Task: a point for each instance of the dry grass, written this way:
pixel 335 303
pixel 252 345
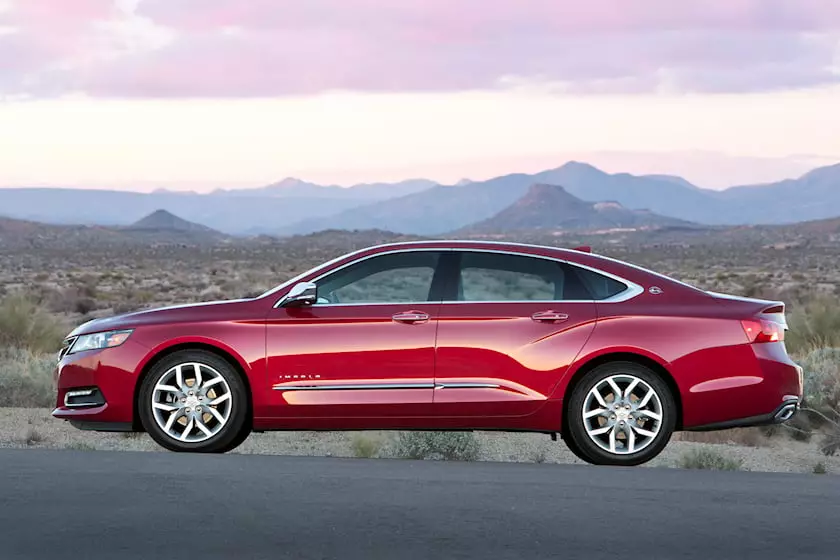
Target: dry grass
pixel 708 459
pixel 26 378
pixel 749 437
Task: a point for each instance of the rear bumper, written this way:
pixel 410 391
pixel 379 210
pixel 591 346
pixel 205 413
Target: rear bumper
pixel 745 385
pixel 783 413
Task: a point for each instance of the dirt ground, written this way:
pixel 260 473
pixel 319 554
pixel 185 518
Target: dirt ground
pixel 35 428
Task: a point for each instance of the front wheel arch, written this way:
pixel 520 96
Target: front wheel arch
pixel 137 425
pixel 650 363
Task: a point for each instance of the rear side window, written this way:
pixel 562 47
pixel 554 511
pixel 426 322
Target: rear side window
pixel 486 276
pixel 599 286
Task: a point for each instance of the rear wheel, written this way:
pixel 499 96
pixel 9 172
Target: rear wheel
pixel 621 413
pixel 194 400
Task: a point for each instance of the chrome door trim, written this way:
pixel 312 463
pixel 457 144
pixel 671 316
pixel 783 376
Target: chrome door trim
pixel 384 386
pixel 445 385
pixel 353 387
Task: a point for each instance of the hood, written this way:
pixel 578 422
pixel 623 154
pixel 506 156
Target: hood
pixel 192 312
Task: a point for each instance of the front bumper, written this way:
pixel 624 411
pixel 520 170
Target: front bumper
pixel 109 374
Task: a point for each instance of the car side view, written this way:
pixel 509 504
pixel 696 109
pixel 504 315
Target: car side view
pixel 441 335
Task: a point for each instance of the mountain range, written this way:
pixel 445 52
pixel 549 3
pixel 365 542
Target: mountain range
pixel 422 207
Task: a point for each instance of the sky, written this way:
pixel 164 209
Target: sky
pixel 201 94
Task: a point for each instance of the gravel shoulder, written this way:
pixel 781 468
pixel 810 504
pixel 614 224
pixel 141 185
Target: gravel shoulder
pixel 36 428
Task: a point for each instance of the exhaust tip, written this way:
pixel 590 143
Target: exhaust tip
pixel 786 412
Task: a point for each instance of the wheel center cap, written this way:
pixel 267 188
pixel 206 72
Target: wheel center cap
pixel 622 414
pixel 192 401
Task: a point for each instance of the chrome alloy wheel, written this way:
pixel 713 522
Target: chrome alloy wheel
pixel 191 402
pixel 622 414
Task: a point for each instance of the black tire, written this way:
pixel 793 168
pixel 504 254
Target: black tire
pixel 584 446
pixel 232 434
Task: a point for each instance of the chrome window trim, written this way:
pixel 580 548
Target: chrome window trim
pixel 632 290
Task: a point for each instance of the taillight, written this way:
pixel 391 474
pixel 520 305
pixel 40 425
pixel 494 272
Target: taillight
pixel 762 330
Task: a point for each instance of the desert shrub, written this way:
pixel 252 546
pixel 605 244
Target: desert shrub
pixel 365 446
pixel 815 324
pixel 24 324
pixel 26 378
pixel 822 378
pixel 449 446
pixel 708 459
pixel 30 436
pixel 819 468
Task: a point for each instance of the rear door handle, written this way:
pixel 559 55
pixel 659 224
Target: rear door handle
pixel 549 316
pixel 411 317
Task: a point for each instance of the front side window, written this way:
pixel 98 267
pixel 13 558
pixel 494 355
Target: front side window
pixel 395 278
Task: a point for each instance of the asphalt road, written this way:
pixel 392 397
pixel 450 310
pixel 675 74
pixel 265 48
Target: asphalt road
pixel 121 505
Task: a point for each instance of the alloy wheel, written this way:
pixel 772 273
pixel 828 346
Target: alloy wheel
pixel 191 402
pixel 622 414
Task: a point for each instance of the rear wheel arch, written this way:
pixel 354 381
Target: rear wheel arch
pixel 602 359
pixel 137 425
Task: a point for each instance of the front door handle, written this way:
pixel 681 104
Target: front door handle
pixel 549 316
pixel 411 317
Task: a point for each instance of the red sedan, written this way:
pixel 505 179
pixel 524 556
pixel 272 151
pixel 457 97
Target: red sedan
pixel 443 335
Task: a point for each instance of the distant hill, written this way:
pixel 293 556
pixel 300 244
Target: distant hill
pixel 161 220
pixel 552 207
pixel 421 207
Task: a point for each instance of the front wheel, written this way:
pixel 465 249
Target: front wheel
pixel 621 413
pixel 193 400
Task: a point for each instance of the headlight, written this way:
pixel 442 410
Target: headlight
pixel 97 341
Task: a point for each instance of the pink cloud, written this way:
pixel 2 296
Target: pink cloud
pixel 297 47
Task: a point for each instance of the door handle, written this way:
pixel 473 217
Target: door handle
pixel 549 316
pixel 411 317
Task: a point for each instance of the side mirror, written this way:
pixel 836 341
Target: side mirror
pixel 303 293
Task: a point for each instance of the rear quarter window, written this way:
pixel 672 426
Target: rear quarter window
pixel 599 286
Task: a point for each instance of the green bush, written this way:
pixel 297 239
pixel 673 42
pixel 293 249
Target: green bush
pixel 708 459
pixel 24 324
pixel 364 446
pixel 819 468
pixel 26 378
pixel 815 324
pixel 449 446
pixel 822 379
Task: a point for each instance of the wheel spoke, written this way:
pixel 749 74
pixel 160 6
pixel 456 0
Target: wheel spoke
pixel 600 431
pixel 185 434
pixel 596 412
pixel 165 407
pixel 615 388
pixel 168 389
pixel 599 397
pixel 197 370
pixel 213 382
pixel 631 440
pixel 630 388
pixel 649 414
pixel 199 421
pixel 171 421
pixel 179 377
pixel 612 440
pixel 216 414
pixel 220 399
pixel 643 432
pixel 646 398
